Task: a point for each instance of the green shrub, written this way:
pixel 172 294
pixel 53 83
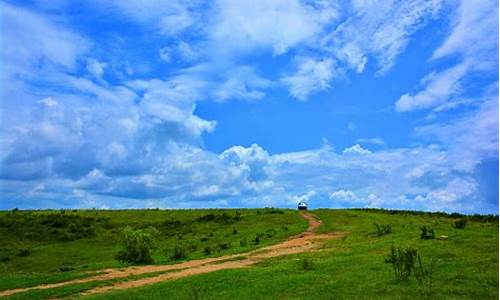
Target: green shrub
pixel 66 268
pixel 138 245
pixel 23 252
pixel 270 233
pixel 207 250
pixel 224 246
pixel 235 231
pixel 402 260
pixel 381 230
pixel 243 242
pixel 460 223
pixel 426 233
pixel 306 264
pixel 179 253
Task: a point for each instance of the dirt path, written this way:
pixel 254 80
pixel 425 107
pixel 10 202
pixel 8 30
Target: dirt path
pixel 306 241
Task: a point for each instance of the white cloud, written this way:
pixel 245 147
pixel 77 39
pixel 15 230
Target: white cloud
pixel 439 89
pixel 186 51
pixel 311 76
pixel 381 29
pixel 168 17
pixel 22 29
pixel 96 68
pixel 343 195
pixel 356 149
pixel 303 197
pixel 474 33
pixel 374 141
pixel 276 24
pixel 164 54
pixel 48 102
pixel 474 37
pixel 471 138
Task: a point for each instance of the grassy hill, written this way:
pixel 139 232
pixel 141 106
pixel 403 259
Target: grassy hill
pixel 462 266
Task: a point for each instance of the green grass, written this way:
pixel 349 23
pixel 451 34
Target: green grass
pixel 464 267
pixel 53 247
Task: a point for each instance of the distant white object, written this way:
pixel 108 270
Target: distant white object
pixel 302 205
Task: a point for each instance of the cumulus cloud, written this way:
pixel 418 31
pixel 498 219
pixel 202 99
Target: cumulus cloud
pixel 344 195
pixel 303 197
pixel 356 149
pixel 138 142
pixel 276 24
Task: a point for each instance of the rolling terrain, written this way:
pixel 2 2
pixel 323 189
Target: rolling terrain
pixel 262 253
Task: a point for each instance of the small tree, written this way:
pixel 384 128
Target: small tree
pixel 138 245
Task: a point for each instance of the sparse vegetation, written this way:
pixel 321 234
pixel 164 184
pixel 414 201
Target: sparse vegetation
pixel 306 264
pixel 465 267
pixel 426 233
pixel 138 245
pixel 460 223
pixel 179 253
pixel 381 230
pixel 402 261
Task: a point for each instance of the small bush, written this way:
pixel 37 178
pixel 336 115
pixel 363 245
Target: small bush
pixel 270 233
pixel 235 231
pixel 179 253
pixel 4 257
pixel 207 250
pixel 402 260
pixel 306 264
pixel 381 230
pixel 66 268
pixel 224 246
pixel 23 252
pixel 138 245
pixel 284 228
pixel 460 223
pixel 243 242
pixel 426 233
pixel 204 239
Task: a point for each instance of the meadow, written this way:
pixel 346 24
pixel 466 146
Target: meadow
pixel 457 255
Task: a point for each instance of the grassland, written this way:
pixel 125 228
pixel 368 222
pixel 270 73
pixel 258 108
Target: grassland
pixel 463 266
pixel 51 246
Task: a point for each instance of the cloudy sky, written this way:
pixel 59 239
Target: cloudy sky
pixel 181 104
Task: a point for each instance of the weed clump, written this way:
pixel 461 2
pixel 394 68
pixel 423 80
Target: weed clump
pixel 460 223
pixel 207 250
pixel 402 260
pixel 381 230
pixel 138 245
pixel 243 242
pixel 23 252
pixel 426 233
pixel 306 264
pixel 224 246
pixel 179 253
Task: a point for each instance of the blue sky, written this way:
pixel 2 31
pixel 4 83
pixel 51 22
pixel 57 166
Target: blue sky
pixel 183 104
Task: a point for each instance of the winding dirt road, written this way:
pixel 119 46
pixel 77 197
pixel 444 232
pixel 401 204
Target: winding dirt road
pixel 306 241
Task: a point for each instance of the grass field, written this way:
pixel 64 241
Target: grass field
pixel 463 266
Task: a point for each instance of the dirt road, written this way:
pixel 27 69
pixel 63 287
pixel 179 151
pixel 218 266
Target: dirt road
pixel 306 241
